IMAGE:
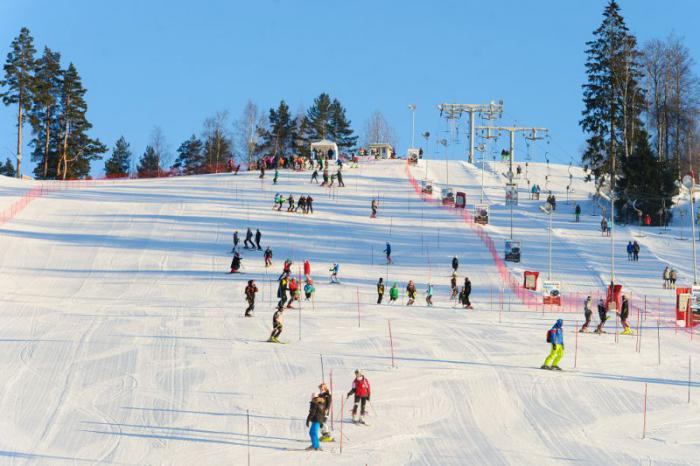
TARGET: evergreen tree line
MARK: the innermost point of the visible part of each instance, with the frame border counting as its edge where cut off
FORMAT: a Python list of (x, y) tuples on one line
[(51, 100), (641, 114)]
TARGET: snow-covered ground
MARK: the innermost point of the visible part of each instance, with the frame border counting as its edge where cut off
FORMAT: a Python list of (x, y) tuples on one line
[(124, 342)]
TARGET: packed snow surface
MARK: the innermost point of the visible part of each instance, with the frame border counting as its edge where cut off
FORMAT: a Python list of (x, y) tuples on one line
[(123, 340)]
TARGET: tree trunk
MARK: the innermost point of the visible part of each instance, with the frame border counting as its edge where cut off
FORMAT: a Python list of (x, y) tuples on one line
[(19, 138), (46, 143)]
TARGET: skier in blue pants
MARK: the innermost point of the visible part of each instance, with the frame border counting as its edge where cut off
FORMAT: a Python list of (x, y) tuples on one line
[(387, 251), (316, 417)]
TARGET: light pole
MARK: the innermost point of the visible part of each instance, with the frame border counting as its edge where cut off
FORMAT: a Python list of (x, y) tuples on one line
[(689, 183), (412, 107), (447, 170), (548, 210), (426, 136)]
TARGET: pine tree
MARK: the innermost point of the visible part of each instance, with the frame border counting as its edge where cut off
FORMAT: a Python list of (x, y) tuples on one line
[(645, 182), (43, 116), (612, 97), (148, 164), (279, 136), (19, 71), (77, 150), (340, 127), (119, 163), (8, 169), (191, 159), (318, 119)]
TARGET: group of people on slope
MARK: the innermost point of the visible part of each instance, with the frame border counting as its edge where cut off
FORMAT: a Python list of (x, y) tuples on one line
[(247, 244), (305, 203)]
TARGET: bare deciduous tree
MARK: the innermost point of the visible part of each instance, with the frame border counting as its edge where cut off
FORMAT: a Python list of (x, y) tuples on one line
[(160, 147), (245, 132), (378, 130)]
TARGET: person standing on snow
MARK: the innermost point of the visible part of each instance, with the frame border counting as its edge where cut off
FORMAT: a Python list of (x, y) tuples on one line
[(455, 264), (248, 240), (277, 175), (374, 206), (453, 286), (307, 269), (250, 292), (411, 293), (380, 290), (635, 251), (673, 276), (587, 313), (334, 272), (393, 293), (429, 295), (276, 325), (340, 179), (236, 262), (258, 237), (314, 176), (577, 212), (387, 251), (268, 256), (235, 241), (290, 200), (309, 289), (328, 402), (361, 390), (293, 292), (624, 315), (602, 315), (466, 291), (667, 277), (555, 336), (630, 249), (282, 292), (315, 418)]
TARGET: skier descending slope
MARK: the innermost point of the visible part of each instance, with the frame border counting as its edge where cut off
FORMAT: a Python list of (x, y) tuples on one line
[(587, 313), (250, 292), (361, 390), (276, 325), (315, 418), (236, 262), (387, 251), (235, 241), (248, 240), (555, 336)]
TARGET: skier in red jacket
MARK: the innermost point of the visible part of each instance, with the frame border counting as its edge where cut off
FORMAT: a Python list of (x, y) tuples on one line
[(361, 390), (307, 269)]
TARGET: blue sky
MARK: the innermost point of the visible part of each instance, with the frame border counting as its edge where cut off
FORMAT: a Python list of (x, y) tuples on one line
[(172, 63)]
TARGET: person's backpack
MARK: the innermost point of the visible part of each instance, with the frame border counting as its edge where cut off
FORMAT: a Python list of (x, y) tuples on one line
[(550, 335)]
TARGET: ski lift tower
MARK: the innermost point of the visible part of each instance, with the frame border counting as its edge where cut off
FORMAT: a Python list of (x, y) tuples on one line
[(528, 132), (489, 111)]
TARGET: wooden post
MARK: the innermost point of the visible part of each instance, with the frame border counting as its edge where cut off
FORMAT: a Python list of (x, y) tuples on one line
[(391, 342), (644, 424)]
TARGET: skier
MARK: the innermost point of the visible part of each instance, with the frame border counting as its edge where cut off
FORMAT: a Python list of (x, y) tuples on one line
[(577, 212), (673, 276), (624, 315), (277, 174), (393, 293), (429, 295), (290, 200), (380, 290), (466, 291), (411, 293), (374, 206), (287, 267), (293, 292), (325, 177), (309, 204), (236, 262), (248, 239), (635, 251), (309, 289), (387, 251), (268, 256), (361, 390), (602, 315), (555, 336), (258, 236), (630, 250), (262, 169), (276, 325), (328, 402), (282, 292), (307, 269), (667, 277), (316, 417), (455, 264), (453, 286), (340, 179), (604, 227), (314, 176), (235, 241), (250, 292), (301, 205), (334, 272), (587, 313)]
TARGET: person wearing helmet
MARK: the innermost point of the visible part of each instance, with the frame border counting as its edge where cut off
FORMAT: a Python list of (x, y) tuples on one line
[(250, 292), (309, 289), (334, 272), (455, 264), (555, 336), (429, 295), (276, 325), (387, 251), (587, 313), (268, 256), (362, 392), (411, 293), (624, 315), (380, 290), (602, 315), (453, 286), (393, 293)]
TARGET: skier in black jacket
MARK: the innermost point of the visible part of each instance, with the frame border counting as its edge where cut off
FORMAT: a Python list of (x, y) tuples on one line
[(315, 418), (258, 236), (248, 240), (466, 291), (455, 263)]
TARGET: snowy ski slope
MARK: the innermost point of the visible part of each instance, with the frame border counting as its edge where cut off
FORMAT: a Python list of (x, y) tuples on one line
[(123, 340)]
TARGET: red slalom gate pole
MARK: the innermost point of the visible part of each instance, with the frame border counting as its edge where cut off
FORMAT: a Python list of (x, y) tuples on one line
[(576, 345), (644, 423), (391, 342), (358, 306)]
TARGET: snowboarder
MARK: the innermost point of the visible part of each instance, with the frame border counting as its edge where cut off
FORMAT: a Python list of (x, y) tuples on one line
[(667, 277), (587, 313), (258, 237), (250, 292), (624, 315), (235, 241), (236, 262), (393, 293), (374, 206), (380, 290), (315, 418), (577, 212), (630, 250), (314, 176), (328, 402), (361, 390), (282, 292), (555, 336), (453, 286), (455, 264), (602, 315), (309, 289), (466, 291), (290, 200), (635, 251), (268, 256), (248, 240), (276, 325), (673, 276), (387, 251), (411, 293), (429, 295), (334, 272)]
